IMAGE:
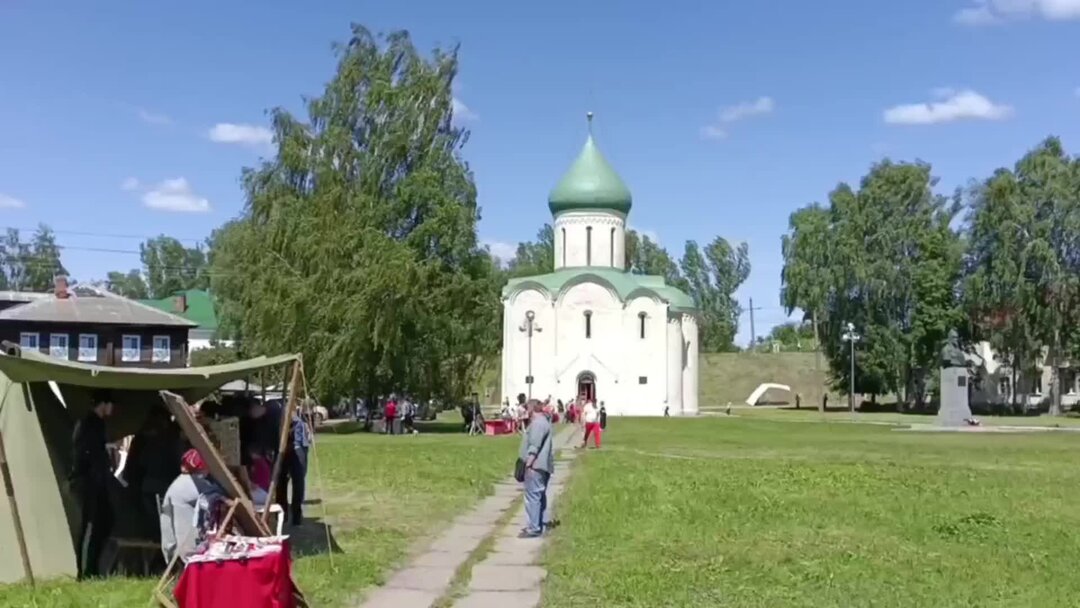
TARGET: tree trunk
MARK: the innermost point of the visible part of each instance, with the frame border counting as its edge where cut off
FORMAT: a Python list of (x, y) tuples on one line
[(1055, 370), (817, 364)]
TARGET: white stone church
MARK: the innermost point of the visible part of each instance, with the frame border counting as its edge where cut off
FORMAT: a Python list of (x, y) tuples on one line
[(590, 327)]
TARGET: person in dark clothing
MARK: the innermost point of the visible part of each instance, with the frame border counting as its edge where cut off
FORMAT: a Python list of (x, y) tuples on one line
[(90, 479), (603, 417), (153, 463), (294, 469)]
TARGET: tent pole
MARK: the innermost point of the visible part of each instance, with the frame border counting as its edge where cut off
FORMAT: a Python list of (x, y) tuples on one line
[(9, 489), (283, 437)]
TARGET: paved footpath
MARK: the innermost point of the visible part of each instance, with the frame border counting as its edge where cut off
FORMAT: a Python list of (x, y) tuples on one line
[(508, 577)]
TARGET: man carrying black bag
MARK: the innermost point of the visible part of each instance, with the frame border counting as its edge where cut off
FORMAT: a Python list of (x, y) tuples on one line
[(536, 463)]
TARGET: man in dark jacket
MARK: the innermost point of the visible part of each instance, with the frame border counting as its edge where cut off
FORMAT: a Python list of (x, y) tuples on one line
[(90, 479)]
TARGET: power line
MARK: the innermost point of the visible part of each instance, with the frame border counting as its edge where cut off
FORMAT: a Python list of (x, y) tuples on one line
[(106, 234)]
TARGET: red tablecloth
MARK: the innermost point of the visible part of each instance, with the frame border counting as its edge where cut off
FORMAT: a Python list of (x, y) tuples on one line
[(255, 582)]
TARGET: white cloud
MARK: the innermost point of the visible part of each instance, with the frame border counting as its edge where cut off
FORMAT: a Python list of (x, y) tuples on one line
[(950, 107), (246, 135), (462, 113), (175, 195), (735, 113), (502, 251), (130, 184), (989, 12), (153, 118), (10, 202)]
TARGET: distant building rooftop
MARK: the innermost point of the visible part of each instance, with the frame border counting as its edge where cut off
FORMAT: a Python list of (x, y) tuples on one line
[(88, 305), (195, 305)]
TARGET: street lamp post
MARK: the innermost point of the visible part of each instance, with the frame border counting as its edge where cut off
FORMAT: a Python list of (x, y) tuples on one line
[(529, 327), (851, 337)]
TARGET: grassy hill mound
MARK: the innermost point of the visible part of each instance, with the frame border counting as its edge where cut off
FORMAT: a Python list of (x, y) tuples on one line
[(730, 378)]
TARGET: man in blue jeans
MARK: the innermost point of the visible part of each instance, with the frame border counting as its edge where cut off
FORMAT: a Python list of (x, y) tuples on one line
[(539, 460)]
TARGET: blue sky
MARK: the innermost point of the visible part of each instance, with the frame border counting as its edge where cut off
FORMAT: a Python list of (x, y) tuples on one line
[(132, 119)]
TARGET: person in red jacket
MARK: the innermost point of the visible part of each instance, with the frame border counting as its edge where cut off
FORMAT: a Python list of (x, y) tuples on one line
[(389, 413)]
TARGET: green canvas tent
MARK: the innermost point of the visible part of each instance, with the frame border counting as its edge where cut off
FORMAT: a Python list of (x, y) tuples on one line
[(36, 423)]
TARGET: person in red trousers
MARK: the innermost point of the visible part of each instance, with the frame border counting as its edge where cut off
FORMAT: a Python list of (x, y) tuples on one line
[(591, 417)]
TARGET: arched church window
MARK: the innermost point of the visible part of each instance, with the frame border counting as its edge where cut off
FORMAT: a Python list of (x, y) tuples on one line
[(564, 246), (588, 245), (641, 324), (588, 324), (611, 247)]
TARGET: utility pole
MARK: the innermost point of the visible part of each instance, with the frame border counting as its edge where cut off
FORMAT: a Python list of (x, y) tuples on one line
[(753, 332)]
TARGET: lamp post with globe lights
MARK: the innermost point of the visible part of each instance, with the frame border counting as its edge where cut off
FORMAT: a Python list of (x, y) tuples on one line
[(528, 327)]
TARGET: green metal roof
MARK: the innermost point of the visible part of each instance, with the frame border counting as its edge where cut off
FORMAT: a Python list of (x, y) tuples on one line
[(591, 183), (625, 284), (200, 307)]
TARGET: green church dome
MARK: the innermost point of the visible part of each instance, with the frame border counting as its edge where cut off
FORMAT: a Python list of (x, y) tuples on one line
[(591, 183)]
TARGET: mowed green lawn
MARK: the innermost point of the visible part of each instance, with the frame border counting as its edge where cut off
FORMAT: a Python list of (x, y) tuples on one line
[(742, 512), (382, 496)]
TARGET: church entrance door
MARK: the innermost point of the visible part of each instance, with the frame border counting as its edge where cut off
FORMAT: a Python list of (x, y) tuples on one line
[(586, 383)]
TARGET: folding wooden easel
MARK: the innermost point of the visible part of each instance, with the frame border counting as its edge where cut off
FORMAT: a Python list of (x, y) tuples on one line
[(241, 510)]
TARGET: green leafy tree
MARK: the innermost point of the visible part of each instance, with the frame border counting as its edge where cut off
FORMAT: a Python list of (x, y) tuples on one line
[(1022, 288), (644, 256), (890, 267), (169, 266), (129, 285), (712, 277), (357, 245), (534, 257), (33, 265), (217, 354)]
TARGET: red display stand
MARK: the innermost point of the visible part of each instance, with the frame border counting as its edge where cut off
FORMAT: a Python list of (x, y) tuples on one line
[(258, 577)]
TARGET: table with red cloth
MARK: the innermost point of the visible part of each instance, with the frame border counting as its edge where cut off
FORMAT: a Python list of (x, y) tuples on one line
[(499, 427), (239, 572)]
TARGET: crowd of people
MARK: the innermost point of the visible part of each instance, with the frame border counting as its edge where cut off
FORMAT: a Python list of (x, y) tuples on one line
[(161, 481), (581, 410)]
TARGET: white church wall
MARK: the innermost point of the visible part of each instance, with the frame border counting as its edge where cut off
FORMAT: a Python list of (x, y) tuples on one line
[(516, 344), (595, 350), (690, 365), (674, 354), (576, 232), (644, 358)]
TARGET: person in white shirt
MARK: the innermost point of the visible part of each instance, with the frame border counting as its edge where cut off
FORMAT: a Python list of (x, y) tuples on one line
[(591, 417)]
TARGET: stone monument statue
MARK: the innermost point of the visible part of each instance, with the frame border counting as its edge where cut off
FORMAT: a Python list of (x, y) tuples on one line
[(954, 409)]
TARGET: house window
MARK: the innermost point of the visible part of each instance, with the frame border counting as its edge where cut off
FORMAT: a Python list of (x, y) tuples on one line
[(1004, 387), (588, 324), (162, 350), (88, 347), (611, 248), (131, 347), (28, 340), (58, 346), (641, 324), (642, 379), (564, 246), (588, 245)]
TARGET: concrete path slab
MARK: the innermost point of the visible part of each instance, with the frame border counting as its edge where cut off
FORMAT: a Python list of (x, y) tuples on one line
[(441, 559), (510, 575), (500, 599), (422, 578), (400, 598), (506, 578)]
